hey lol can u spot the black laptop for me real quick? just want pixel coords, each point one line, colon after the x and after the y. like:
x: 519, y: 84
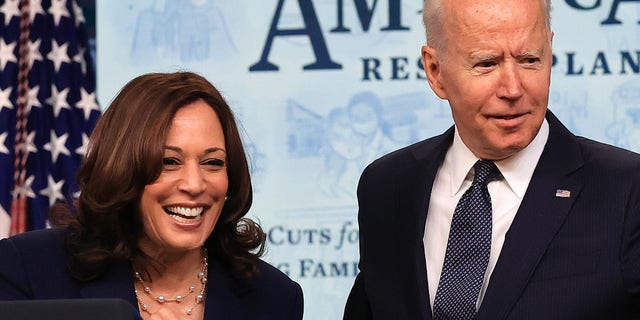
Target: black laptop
x: 64, y: 309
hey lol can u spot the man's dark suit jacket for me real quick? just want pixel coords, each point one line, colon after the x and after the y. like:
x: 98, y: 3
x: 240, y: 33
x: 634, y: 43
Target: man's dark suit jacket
x: 575, y: 257
x: 33, y: 266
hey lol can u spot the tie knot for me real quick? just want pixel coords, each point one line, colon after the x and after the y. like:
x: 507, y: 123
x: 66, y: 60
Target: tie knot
x: 484, y: 171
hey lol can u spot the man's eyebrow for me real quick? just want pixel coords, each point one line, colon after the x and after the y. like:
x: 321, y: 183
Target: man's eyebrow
x: 483, y: 56
x: 534, y: 52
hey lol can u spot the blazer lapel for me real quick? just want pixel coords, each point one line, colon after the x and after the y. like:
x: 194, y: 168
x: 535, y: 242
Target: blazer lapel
x: 541, y: 213
x: 223, y: 298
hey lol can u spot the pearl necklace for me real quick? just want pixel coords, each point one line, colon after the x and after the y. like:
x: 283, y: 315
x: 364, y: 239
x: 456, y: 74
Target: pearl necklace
x: 161, y: 299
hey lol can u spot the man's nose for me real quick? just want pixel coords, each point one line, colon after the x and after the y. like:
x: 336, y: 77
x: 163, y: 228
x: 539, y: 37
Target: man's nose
x: 510, y: 82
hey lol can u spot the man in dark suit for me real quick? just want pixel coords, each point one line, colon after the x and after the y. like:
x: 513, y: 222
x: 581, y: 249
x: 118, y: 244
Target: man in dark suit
x: 554, y: 230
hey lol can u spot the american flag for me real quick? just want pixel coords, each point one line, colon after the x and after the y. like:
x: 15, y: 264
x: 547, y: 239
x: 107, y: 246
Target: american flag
x: 48, y: 108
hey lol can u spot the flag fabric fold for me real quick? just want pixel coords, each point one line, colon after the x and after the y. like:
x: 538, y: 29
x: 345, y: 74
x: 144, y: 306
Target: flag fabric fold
x: 48, y: 108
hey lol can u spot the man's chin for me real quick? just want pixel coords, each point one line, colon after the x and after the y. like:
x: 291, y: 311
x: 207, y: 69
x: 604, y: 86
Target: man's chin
x: 500, y: 152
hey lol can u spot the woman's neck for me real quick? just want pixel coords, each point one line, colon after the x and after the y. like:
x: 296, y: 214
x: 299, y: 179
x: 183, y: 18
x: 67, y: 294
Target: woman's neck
x: 170, y: 265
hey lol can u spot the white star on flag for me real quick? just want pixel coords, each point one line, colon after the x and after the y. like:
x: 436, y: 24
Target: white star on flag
x: 57, y: 145
x: 79, y: 14
x: 58, y: 100
x: 79, y: 58
x: 6, y: 53
x: 58, y: 54
x: 32, y: 98
x: 53, y: 190
x: 35, y: 7
x: 82, y: 150
x: 5, y: 102
x: 29, y: 145
x: 10, y: 10
x: 87, y: 103
x: 58, y: 10
x: 3, y: 147
x: 34, y: 52
x: 26, y: 190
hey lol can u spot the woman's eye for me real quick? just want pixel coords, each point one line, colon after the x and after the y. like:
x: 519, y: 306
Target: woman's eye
x: 214, y: 162
x: 170, y: 161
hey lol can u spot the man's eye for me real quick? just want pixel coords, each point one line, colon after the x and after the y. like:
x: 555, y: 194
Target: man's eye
x: 485, y: 64
x: 531, y: 60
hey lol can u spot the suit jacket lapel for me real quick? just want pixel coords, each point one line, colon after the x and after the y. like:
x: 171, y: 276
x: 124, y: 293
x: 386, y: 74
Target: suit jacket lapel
x: 538, y: 219
x: 414, y: 189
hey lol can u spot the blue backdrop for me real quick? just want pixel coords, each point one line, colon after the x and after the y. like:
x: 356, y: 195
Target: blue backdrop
x: 323, y: 87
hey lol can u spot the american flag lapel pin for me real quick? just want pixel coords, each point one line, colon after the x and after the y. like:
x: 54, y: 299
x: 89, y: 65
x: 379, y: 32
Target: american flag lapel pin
x: 561, y: 193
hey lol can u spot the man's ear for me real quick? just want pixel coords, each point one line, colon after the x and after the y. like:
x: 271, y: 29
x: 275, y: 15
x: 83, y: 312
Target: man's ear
x: 432, y: 69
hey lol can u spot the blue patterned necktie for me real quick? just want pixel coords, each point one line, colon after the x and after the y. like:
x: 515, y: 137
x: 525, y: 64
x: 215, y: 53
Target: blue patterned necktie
x: 468, y: 249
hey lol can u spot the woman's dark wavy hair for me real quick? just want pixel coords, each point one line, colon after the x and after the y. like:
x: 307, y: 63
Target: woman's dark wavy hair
x: 125, y: 154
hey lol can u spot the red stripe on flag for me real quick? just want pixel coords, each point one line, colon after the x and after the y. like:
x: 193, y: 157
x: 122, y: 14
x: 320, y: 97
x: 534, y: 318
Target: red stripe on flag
x: 19, y: 203
x: 18, y: 216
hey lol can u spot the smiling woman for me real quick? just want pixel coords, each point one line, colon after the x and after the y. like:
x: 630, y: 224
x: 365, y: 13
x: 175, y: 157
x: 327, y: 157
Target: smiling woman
x: 180, y: 208
x: 160, y: 219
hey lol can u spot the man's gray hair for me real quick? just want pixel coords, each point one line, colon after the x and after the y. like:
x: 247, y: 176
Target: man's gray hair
x: 433, y: 20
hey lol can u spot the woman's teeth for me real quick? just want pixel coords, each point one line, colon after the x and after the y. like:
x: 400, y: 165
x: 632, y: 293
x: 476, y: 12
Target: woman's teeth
x: 183, y: 214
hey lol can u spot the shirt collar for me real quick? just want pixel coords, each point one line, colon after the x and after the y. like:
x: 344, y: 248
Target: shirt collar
x: 516, y: 170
